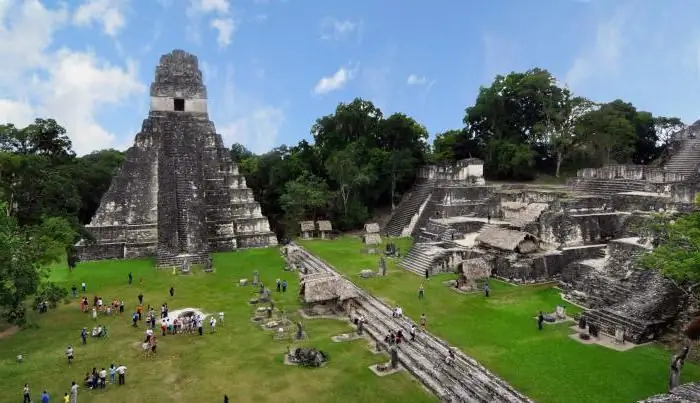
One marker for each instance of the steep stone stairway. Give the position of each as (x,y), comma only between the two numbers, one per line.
(686,160)
(463,381)
(408,207)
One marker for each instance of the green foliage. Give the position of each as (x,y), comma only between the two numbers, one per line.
(50,293)
(304,197)
(677,254)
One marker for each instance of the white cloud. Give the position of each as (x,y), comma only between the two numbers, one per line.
(245,119)
(226,27)
(332,28)
(258,131)
(414,79)
(603,57)
(210,6)
(108,13)
(334,82)
(66,85)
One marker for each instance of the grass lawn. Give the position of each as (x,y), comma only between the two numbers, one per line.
(501,333)
(240,359)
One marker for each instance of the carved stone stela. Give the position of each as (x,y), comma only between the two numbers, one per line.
(178,195)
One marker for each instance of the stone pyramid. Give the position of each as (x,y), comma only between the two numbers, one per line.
(178,195)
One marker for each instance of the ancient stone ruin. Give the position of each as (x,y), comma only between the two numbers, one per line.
(585,235)
(307,229)
(178,195)
(324,229)
(371,236)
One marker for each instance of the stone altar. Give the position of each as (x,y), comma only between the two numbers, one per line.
(324,229)
(371,236)
(178,194)
(307,229)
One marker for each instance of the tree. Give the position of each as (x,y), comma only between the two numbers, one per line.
(563,113)
(239,152)
(665,128)
(24,254)
(343,169)
(43,137)
(304,197)
(607,135)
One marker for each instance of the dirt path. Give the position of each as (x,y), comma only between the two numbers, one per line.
(9,332)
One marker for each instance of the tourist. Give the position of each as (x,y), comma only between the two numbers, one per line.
(540,320)
(278,282)
(121,372)
(131,278)
(66,398)
(163,326)
(153,344)
(44,397)
(423,321)
(212,324)
(284,285)
(112,373)
(135,319)
(225,398)
(421,292)
(69,354)
(25,393)
(139,310)
(199,325)
(140,298)
(172,291)
(74,392)
(74,290)
(486,290)
(94,313)
(121,307)
(83,335)
(412,332)
(221,317)
(103,378)
(84,286)
(427,274)
(149,334)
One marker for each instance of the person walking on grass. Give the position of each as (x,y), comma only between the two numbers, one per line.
(421,292)
(26,396)
(540,320)
(486,290)
(284,285)
(74,392)
(172,291)
(427,274)
(131,278)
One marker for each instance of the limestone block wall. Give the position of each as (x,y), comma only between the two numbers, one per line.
(585,203)
(132,195)
(469,170)
(561,228)
(181,195)
(631,172)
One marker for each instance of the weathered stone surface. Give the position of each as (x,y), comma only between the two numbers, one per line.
(178,194)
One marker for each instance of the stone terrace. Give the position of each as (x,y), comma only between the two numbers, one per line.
(465,381)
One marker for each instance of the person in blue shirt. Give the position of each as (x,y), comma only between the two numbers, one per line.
(83,335)
(112,373)
(284,285)
(44,397)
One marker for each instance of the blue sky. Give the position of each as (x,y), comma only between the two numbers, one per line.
(273,66)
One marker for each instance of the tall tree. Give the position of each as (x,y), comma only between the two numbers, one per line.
(345,172)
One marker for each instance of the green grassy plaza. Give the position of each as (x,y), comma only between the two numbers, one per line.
(240,359)
(500,332)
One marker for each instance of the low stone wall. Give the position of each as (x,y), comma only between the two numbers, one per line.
(563,229)
(467,170)
(631,172)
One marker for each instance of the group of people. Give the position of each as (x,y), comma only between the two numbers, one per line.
(97,331)
(98,379)
(98,306)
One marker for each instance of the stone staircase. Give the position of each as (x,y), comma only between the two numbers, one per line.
(463,381)
(608,321)
(420,257)
(408,207)
(608,187)
(687,159)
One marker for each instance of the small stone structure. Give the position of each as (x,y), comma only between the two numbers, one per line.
(371,236)
(306,357)
(178,195)
(322,288)
(307,229)
(325,229)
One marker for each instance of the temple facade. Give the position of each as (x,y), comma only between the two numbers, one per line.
(178,196)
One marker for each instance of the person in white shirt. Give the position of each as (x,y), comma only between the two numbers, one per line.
(149,334)
(69,354)
(212,324)
(74,392)
(121,373)
(221,317)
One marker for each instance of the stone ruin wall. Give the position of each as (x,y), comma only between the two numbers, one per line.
(469,170)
